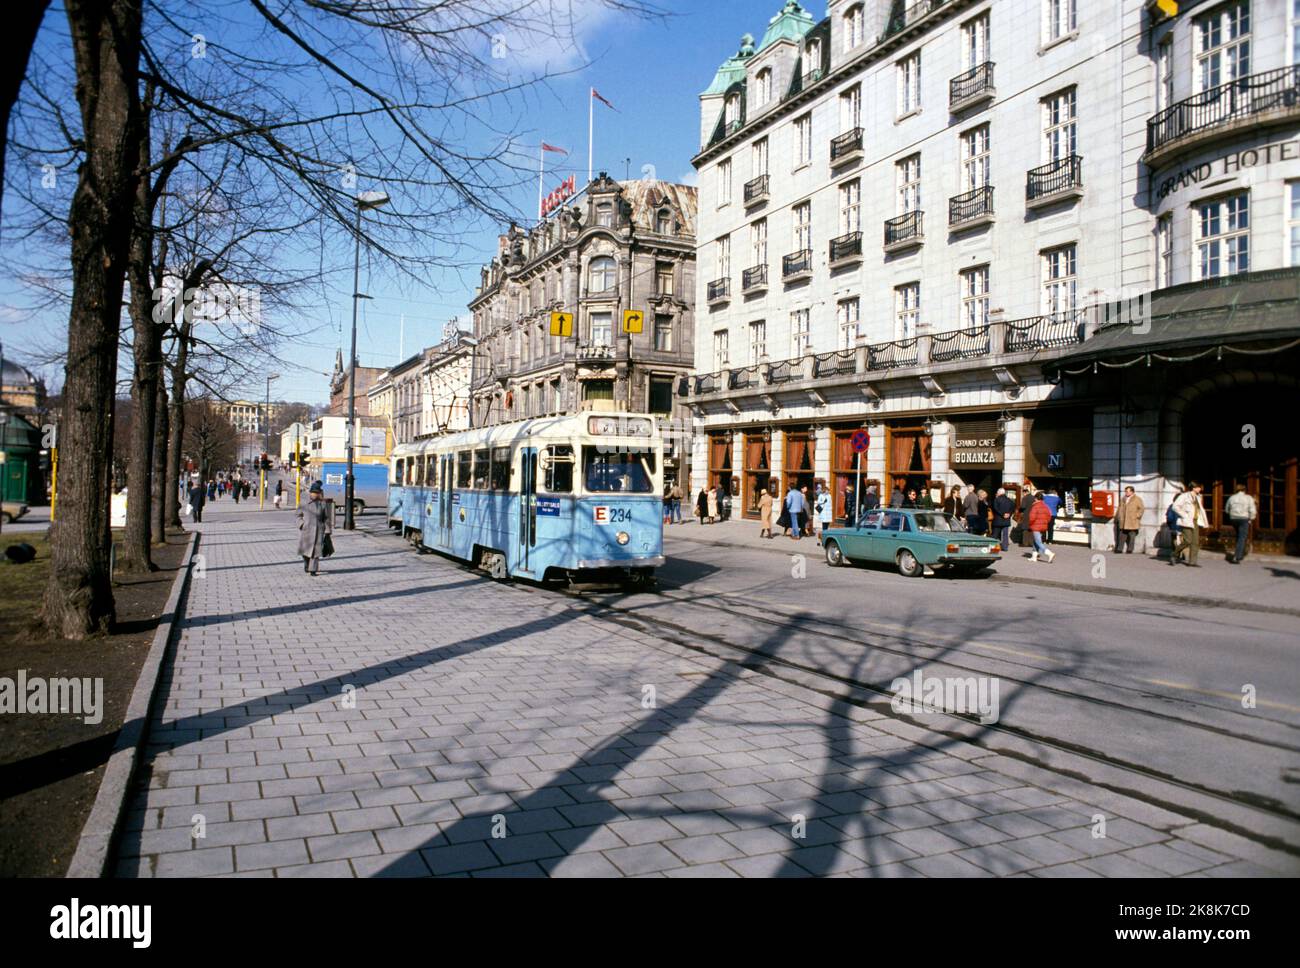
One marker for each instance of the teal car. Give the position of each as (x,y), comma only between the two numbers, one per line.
(911,540)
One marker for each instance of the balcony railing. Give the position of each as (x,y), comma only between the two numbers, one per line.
(708,382)
(756,189)
(1056,178)
(971,87)
(973,206)
(784,372)
(846,146)
(719,289)
(962,344)
(754,278)
(835,363)
(846,247)
(595,351)
(797,264)
(885,356)
(745,376)
(902,16)
(1238,100)
(812,77)
(904,230)
(1042,332)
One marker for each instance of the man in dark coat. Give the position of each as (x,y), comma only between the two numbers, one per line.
(198,497)
(1003,508)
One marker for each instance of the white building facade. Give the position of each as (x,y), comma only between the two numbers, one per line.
(933,221)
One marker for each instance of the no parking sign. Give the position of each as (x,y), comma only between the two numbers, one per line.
(860,441)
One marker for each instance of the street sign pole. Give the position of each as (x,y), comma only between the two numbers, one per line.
(857,491)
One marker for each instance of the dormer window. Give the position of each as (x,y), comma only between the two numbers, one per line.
(813,55)
(853,27)
(763,87)
(605,215)
(664,222)
(733,113)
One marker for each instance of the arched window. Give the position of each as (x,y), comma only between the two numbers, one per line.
(664,222)
(763,87)
(733,111)
(600,274)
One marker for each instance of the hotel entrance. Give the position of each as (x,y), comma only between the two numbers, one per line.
(758,470)
(799,466)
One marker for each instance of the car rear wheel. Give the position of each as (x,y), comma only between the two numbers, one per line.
(834,556)
(908,566)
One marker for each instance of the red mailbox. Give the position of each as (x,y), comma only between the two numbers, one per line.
(1103,504)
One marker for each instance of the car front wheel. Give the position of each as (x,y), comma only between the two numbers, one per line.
(908,566)
(834,556)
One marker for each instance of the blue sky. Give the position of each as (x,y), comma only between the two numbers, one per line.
(652,72)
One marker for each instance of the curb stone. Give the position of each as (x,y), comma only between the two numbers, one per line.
(93,845)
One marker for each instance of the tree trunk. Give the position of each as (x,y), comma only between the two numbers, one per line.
(147,340)
(158,488)
(106,45)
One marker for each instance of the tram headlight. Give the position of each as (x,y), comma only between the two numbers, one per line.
(623,537)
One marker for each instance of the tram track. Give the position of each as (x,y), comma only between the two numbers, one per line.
(1263,820)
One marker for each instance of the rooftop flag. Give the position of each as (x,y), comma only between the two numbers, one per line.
(596,94)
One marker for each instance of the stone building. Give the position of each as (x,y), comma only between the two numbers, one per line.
(621,246)
(1017,241)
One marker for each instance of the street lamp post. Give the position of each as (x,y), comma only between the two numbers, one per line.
(363,201)
(266,442)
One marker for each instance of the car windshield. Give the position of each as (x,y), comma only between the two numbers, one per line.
(934,522)
(619,471)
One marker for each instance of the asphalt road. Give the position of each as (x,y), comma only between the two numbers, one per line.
(1127,684)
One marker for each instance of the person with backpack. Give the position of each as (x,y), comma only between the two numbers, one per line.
(1040,519)
(1241,511)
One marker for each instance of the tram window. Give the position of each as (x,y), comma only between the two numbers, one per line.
(395,476)
(558,464)
(499,479)
(481,468)
(606,471)
(463,469)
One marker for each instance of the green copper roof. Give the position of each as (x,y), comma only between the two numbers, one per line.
(733,68)
(790,24)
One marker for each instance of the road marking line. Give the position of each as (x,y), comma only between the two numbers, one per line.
(1236,696)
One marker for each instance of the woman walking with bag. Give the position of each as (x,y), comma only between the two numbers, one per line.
(314,522)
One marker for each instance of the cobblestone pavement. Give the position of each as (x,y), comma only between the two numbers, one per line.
(400,715)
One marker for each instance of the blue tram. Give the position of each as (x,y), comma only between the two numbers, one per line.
(544,498)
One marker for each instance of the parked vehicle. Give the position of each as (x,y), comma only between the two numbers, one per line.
(911,540)
(369,489)
(11,511)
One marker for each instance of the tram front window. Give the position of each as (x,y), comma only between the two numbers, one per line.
(618,471)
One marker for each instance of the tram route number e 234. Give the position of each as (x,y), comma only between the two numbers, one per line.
(604,514)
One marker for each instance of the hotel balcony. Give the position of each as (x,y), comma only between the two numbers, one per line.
(1057,181)
(797,266)
(756,190)
(846,250)
(972,209)
(754,280)
(1246,104)
(719,291)
(904,232)
(846,148)
(973,87)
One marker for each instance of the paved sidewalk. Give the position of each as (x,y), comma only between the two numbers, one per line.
(399,715)
(1271,583)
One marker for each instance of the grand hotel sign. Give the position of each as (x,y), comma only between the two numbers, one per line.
(1228,165)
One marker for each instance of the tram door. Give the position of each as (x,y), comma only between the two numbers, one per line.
(527,506)
(444,499)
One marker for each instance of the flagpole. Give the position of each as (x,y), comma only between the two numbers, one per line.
(541,174)
(591,120)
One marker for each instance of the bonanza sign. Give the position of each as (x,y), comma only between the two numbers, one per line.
(568,188)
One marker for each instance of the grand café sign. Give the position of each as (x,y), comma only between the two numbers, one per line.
(977,450)
(1229,165)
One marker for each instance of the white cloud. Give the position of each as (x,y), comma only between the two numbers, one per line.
(551,35)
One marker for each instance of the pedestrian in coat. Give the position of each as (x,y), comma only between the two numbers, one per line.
(970,508)
(952,505)
(212,490)
(851,506)
(807,514)
(1053,500)
(1191,518)
(822,507)
(236,490)
(1039,520)
(713,504)
(279,493)
(1026,502)
(1131,510)
(314,524)
(765,514)
(896,499)
(910,500)
(796,510)
(702,505)
(1241,510)
(1003,508)
(198,496)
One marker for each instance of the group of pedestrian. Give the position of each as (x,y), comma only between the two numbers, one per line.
(673,503)
(711,507)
